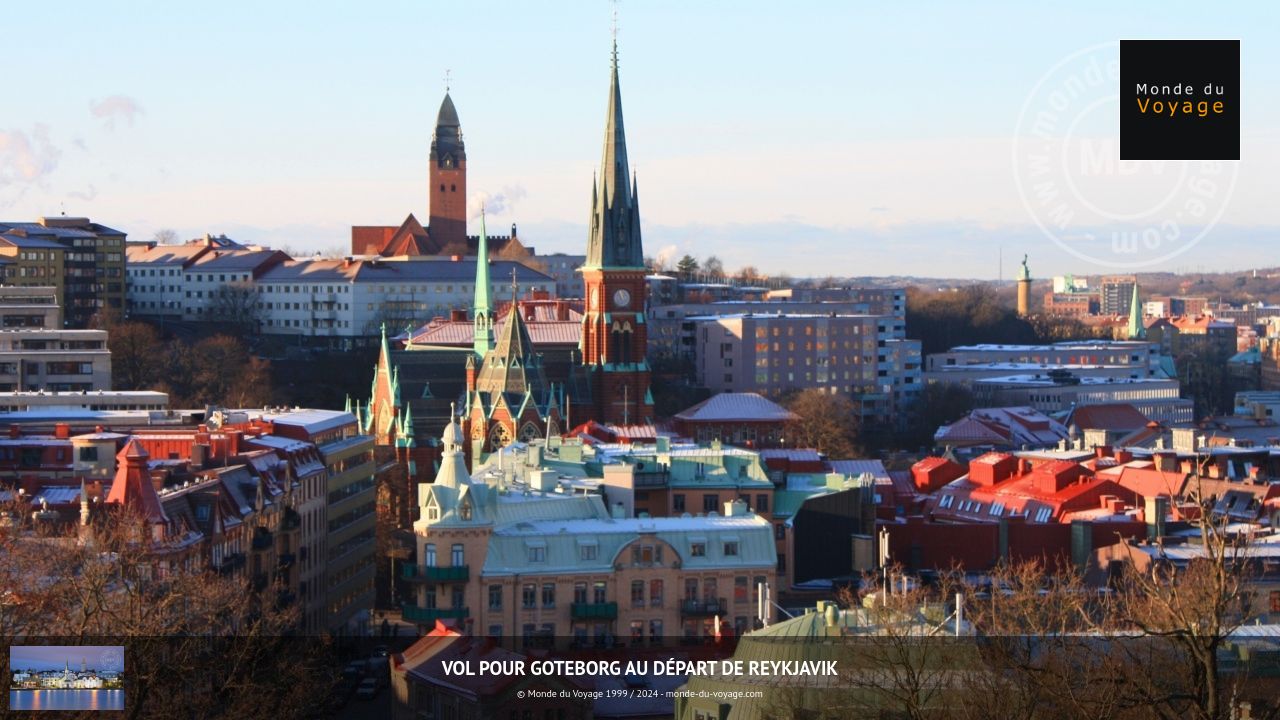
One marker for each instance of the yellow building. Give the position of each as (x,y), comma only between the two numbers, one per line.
(31,261)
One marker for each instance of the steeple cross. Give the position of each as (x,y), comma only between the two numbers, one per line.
(447,77)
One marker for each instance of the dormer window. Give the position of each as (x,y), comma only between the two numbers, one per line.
(464,510)
(433,513)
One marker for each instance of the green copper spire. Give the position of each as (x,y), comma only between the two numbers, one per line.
(1136,330)
(482,312)
(614,239)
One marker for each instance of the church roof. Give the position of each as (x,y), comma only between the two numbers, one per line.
(614,239)
(448,115)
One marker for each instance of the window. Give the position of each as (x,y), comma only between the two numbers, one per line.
(698,549)
(599,594)
(529,596)
(1042,515)
(458,596)
(495,597)
(537,553)
(780,531)
(677,502)
(548,595)
(731,549)
(710,502)
(691,589)
(655,631)
(455,556)
(655,593)
(429,558)
(741,594)
(946,501)
(430,603)
(588,552)
(637,593)
(762,503)
(88,454)
(997,508)
(580,592)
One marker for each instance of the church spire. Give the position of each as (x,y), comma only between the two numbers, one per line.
(614,240)
(483,317)
(1136,331)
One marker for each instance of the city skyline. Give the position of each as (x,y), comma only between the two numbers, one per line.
(819,141)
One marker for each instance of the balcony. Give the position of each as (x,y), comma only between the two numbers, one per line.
(413,613)
(704,607)
(455,574)
(594,611)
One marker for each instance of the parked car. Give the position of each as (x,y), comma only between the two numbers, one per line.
(368,689)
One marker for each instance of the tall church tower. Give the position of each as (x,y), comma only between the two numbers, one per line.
(614,337)
(448,178)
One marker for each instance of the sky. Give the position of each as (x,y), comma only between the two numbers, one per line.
(55,657)
(811,138)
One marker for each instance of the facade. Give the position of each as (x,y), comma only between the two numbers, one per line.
(347,548)
(160,286)
(866,356)
(1099,358)
(30,260)
(566,270)
(1155,397)
(1070,304)
(1115,292)
(536,561)
(346,302)
(30,306)
(92,263)
(54,360)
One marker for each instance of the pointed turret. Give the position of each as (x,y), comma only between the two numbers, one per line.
(132,486)
(614,239)
(1136,330)
(483,314)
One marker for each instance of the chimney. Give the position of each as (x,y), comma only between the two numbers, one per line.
(735,508)
(233,441)
(1123,456)
(199,454)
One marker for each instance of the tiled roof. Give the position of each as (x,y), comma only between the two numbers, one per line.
(233,260)
(163,254)
(461,332)
(750,407)
(1110,416)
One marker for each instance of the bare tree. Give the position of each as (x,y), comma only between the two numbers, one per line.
(165,236)
(238,306)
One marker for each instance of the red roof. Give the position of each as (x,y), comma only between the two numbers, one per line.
(1111,416)
(424,660)
(132,486)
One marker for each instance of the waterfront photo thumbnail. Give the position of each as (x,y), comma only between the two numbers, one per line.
(66,677)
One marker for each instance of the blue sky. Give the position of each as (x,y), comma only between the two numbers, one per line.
(56,657)
(873,138)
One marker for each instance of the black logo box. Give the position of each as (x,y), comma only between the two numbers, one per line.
(1187,68)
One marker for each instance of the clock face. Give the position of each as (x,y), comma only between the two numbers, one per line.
(621,298)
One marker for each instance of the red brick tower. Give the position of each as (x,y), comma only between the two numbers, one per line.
(614,337)
(448,178)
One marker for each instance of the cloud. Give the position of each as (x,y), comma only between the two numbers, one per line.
(26,159)
(86,195)
(495,203)
(116,106)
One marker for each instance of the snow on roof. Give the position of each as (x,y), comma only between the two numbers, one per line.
(737,406)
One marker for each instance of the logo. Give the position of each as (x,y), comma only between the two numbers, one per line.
(1180,99)
(1077,188)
